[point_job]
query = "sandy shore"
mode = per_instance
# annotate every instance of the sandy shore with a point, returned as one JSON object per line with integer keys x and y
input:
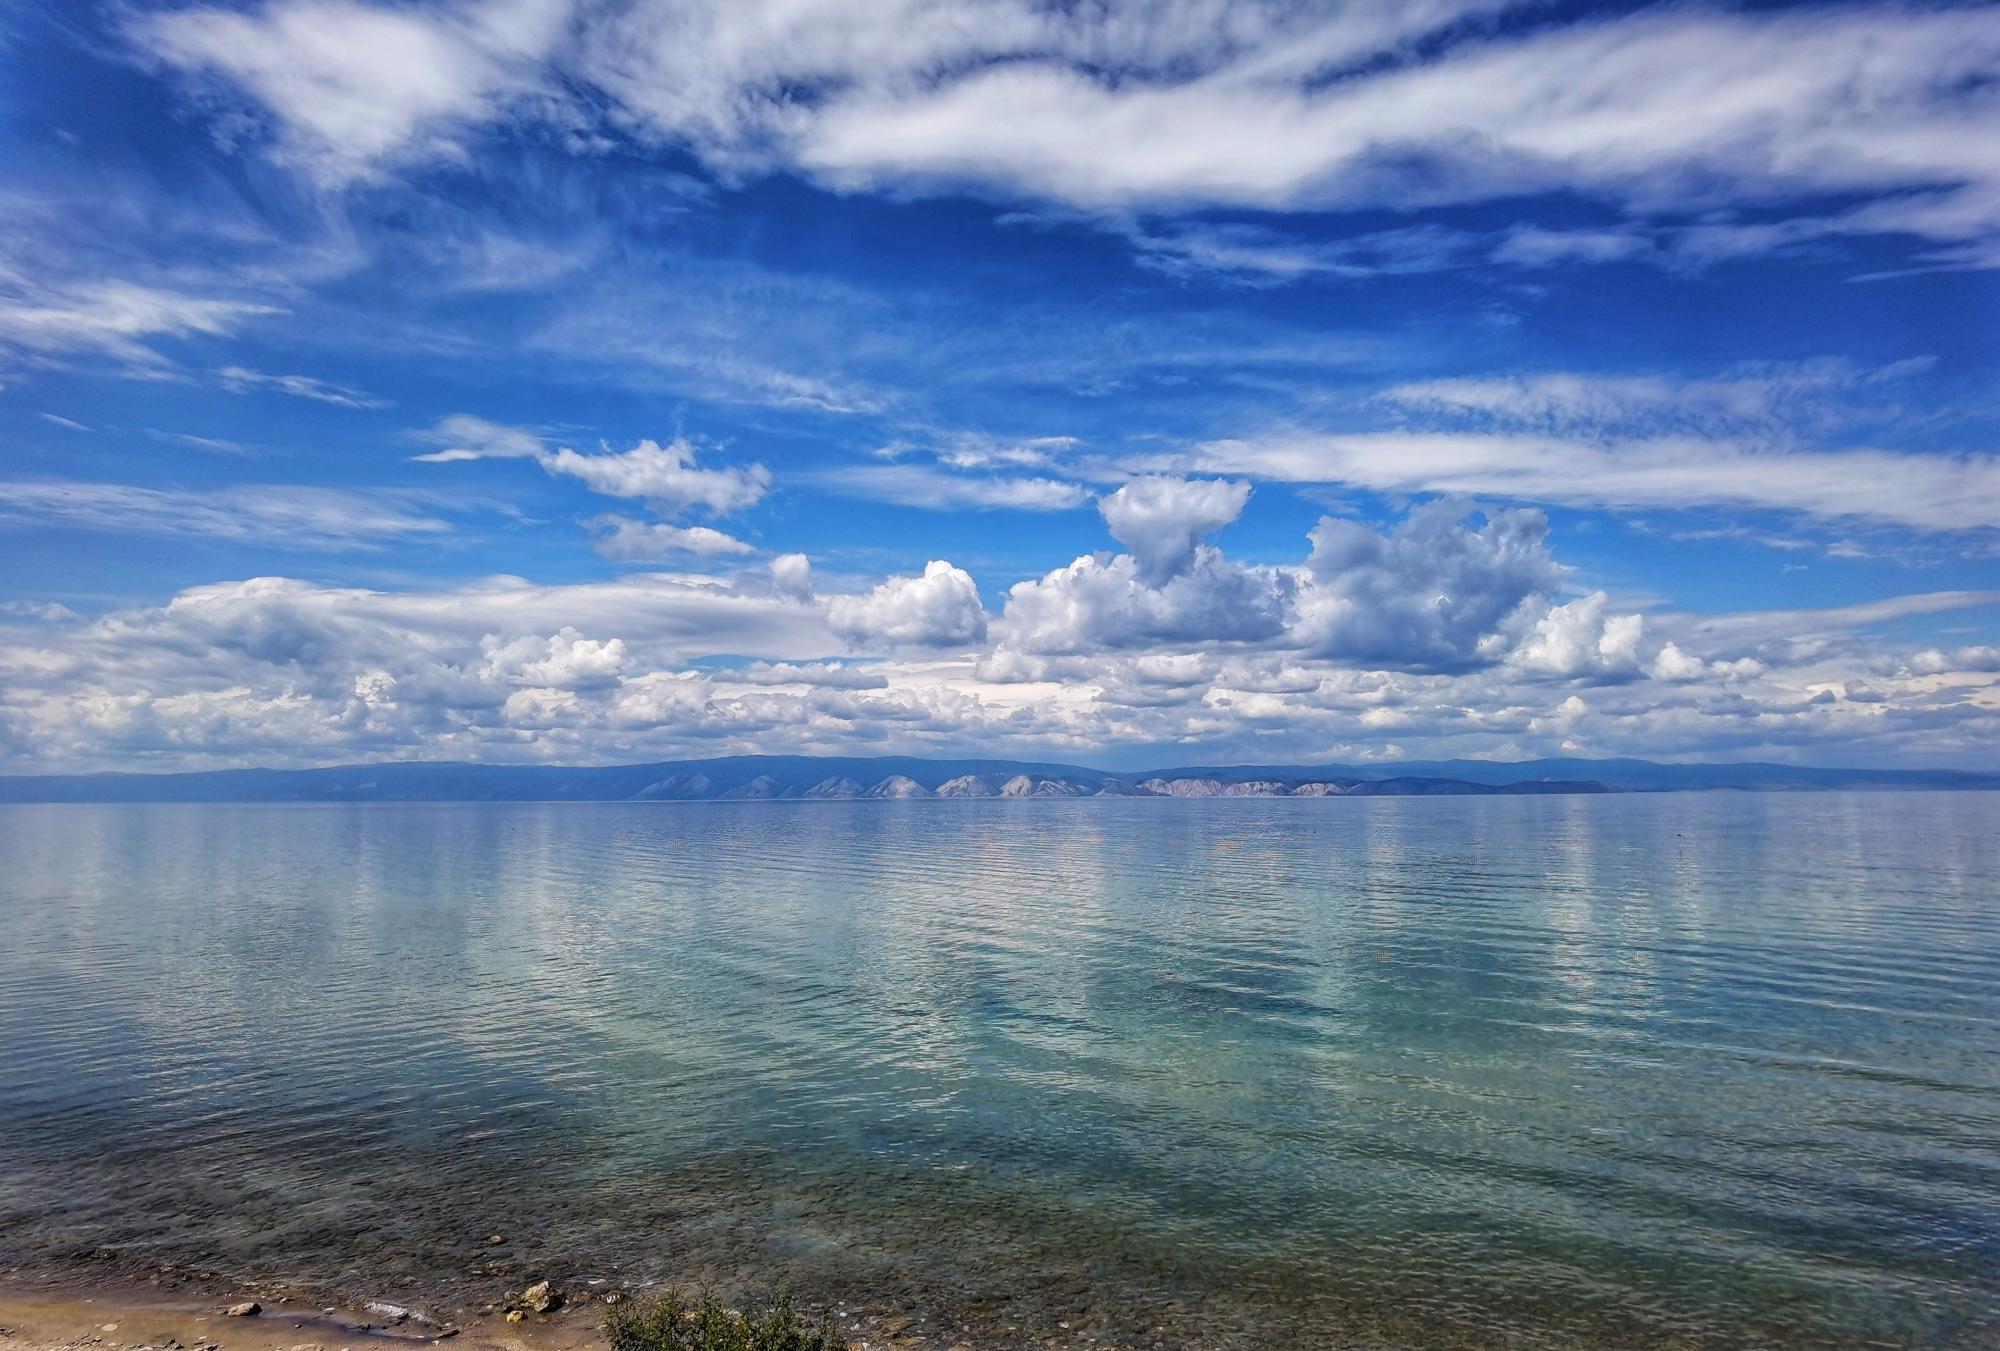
{"x": 145, "y": 1319}
{"x": 108, "y": 1321}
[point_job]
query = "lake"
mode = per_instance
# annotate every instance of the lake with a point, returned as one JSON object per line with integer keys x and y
{"x": 1640, "y": 1069}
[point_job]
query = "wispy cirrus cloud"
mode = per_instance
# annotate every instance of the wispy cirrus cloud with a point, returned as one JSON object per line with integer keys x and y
{"x": 350, "y": 85}
{"x": 112, "y": 318}
{"x": 277, "y": 515}
{"x": 915, "y": 485}
{"x": 1261, "y": 255}
{"x": 213, "y": 445}
{"x": 1763, "y": 400}
{"x": 1918, "y": 490}
{"x": 241, "y": 379}
{"x": 462, "y": 437}
{"x": 1651, "y": 109}
{"x": 1121, "y": 108}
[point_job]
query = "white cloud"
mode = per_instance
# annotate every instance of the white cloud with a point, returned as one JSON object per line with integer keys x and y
{"x": 564, "y": 660}
{"x": 1104, "y": 603}
{"x": 1580, "y": 639}
{"x": 965, "y": 450}
{"x": 1162, "y": 520}
{"x": 241, "y": 379}
{"x": 631, "y": 541}
{"x": 819, "y": 674}
{"x": 48, "y": 611}
{"x": 274, "y": 670}
{"x": 1124, "y": 107}
{"x": 1923, "y": 490}
{"x": 1981, "y": 657}
{"x": 939, "y": 609}
{"x": 1532, "y": 246}
{"x": 353, "y": 85}
{"x": 1435, "y": 593}
{"x": 665, "y": 477}
{"x": 913, "y": 485}
{"x": 1673, "y": 664}
{"x": 1648, "y": 108}
{"x": 282, "y": 515}
{"x": 1257, "y": 255}
{"x": 214, "y": 445}
{"x": 540, "y": 708}
{"x": 791, "y": 576}
{"x": 462, "y": 437}
{"x": 1765, "y": 401}
{"x": 111, "y": 318}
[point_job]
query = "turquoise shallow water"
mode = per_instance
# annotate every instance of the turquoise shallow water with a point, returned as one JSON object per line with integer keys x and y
{"x": 1536, "y": 1071}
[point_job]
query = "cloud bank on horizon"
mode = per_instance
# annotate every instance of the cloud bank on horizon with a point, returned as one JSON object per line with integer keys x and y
{"x": 580, "y": 381}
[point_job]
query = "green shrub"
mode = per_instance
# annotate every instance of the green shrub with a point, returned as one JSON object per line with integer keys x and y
{"x": 671, "y": 1323}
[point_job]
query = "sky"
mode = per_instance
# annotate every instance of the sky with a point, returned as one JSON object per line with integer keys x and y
{"x": 595, "y": 381}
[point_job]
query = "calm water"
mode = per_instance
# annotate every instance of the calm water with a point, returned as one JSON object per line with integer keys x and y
{"x": 1633, "y": 1070}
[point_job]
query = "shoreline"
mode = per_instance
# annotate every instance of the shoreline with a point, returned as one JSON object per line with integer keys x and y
{"x": 179, "y": 1310}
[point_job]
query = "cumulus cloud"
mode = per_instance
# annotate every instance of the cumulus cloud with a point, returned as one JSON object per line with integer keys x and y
{"x": 1674, "y": 666}
{"x": 630, "y": 541}
{"x": 665, "y": 477}
{"x": 939, "y": 609}
{"x": 1435, "y": 593}
{"x": 277, "y": 670}
{"x": 1979, "y": 657}
{"x": 540, "y": 709}
{"x": 564, "y": 660}
{"x": 1104, "y": 602}
{"x": 1580, "y": 639}
{"x": 791, "y": 576}
{"x": 1163, "y": 520}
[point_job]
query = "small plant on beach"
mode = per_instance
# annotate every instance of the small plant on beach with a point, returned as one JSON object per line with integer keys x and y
{"x": 673, "y": 1323}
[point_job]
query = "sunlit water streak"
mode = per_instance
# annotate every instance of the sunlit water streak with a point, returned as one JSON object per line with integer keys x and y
{"x": 1538, "y": 1070}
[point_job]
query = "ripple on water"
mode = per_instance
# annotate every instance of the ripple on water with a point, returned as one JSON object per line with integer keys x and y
{"x": 1540, "y": 1070}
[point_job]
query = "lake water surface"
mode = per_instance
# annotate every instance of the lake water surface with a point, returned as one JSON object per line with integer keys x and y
{"x": 1709, "y": 1069}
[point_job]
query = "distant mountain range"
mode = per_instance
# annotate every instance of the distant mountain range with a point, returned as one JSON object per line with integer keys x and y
{"x": 799, "y": 777}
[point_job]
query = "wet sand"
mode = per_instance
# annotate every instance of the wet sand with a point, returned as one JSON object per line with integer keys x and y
{"x": 192, "y": 1315}
{"x": 43, "y": 1320}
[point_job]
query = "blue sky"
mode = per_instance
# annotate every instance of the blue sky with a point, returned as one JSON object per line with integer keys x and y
{"x": 578, "y": 381}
